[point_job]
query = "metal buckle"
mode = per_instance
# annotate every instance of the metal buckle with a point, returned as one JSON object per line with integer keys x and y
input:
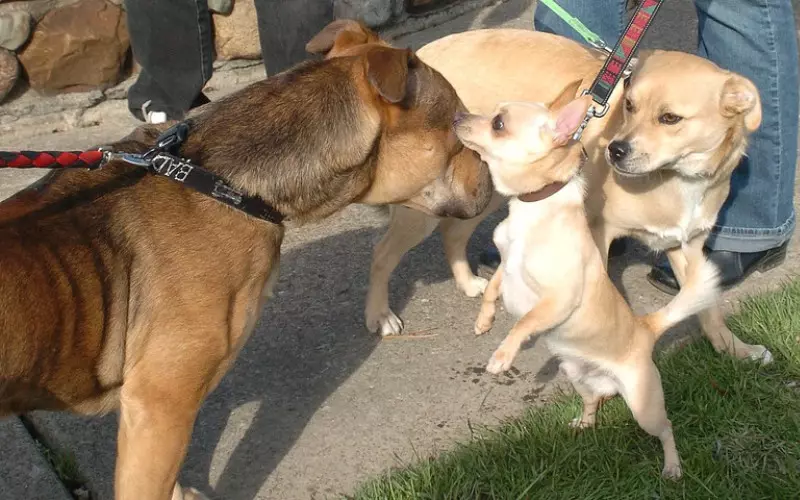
{"x": 226, "y": 192}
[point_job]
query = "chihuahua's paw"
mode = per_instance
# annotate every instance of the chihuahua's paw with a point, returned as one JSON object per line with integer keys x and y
{"x": 483, "y": 325}
{"x": 474, "y": 287}
{"x": 759, "y": 353}
{"x": 581, "y": 423}
{"x": 672, "y": 471}
{"x": 385, "y": 324}
{"x": 500, "y": 361}
{"x": 179, "y": 493}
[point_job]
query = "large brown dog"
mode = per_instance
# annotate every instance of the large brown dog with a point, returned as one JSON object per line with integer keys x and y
{"x": 120, "y": 289}
{"x": 683, "y": 120}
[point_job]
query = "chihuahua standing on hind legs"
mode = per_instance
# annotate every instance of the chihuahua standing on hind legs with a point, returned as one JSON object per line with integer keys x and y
{"x": 552, "y": 275}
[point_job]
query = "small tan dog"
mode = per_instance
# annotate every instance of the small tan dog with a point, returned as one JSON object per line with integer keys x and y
{"x": 553, "y": 275}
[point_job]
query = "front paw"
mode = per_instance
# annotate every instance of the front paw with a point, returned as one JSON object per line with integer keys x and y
{"x": 484, "y": 323}
{"x": 501, "y": 360}
{"x": 386, "y": 323}
{"x": 474, "y": 287}
{"x": 581, "y": 423}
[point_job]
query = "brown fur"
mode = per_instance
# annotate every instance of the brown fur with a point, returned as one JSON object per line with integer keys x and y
{"x": 121, "y": 289}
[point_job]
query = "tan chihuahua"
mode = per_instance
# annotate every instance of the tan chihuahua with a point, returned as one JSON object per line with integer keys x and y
{"x": 552, "y": 274}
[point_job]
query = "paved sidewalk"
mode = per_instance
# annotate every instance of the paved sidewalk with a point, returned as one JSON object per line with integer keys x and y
{"x": 315, "y": 404}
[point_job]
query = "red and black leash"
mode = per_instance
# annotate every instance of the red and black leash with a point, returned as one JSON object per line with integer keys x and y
{"x": 51, "y": 159}
{"x": 618, "y": 59}
{"x": 161, "y": 160}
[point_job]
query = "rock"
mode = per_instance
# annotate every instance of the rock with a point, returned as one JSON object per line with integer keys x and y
{"x": 35, "y": 8}
{"x": 236, "y": 35}
{"x": 77, "y": 48}
{"x": 374, "y": 13}
{"x": 9, "y": 72}
{"x": 15, "y": 28}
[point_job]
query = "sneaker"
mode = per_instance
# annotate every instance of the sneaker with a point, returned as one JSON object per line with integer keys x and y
{"x": 153, "y": 117}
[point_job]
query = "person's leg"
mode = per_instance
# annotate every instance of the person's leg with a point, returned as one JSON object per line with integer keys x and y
{"x": 756, "y": 38}
{"x": 172, "y": 43}
{"x": 285, "y": 26}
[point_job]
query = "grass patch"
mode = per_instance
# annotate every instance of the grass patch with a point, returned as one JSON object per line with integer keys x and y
{"x": 737, "y": 426}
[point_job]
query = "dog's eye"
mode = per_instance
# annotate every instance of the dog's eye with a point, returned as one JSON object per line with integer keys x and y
{"x": 629, "y": 106}
{"x": 669, "y": 119}
{"x": 497, "y": 123}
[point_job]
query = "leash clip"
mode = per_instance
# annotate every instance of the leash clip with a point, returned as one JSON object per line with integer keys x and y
{"x": 590, "y": 113}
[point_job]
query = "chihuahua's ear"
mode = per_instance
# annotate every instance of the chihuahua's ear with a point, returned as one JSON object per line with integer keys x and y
{"x": 740, "y": 97}
{"x": 569, "y": 118}
{"x": 339, "y": 36}
{"x": 566, "y": 96}
{"x": 387, "y": 71}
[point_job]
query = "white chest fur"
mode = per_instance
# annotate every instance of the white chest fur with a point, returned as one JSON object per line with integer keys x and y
{"x": 692, "y": 219}
{"x": 536, "y": 242}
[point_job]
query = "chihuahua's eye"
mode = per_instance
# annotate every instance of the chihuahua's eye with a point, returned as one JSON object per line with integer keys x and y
{"x": 497, "y": 123}
{"x": 669, "y": 119}
{"x": 629, "y": 106}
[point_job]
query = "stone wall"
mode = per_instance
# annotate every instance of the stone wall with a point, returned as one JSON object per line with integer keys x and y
{"x": 58, "y": 46}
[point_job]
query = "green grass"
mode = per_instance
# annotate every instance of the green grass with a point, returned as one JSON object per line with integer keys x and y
{"x": 737, "y": 425}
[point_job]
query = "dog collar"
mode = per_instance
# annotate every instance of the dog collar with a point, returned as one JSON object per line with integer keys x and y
{"x": 546, "y": 192}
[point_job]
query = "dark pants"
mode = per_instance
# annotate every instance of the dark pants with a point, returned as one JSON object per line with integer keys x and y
{"x": 172, "y": 41}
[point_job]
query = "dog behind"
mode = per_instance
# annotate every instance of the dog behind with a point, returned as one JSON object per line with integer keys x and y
{"x": 552, "y": 276}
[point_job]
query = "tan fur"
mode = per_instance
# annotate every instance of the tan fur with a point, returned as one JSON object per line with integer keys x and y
{"x": 672, "y": 209}
{"x": 553, "y": 278}
{"x": 122, "y": 289}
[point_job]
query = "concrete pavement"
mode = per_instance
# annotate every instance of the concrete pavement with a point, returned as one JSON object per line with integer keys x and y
{"x": 315, "y": 404}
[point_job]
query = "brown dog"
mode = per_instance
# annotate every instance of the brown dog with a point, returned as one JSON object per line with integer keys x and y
{"x": 552, "y": 276}
{"x": 121, "y": 289}
{"x": 684, "y": 121}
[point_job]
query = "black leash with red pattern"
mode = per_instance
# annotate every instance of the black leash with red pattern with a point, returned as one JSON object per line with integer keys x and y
{"x": 161, "y": 160}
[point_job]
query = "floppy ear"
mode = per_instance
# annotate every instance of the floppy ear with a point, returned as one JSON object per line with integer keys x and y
{"x": 569, "y": 118}
{"x": 566, "y": 96}
{"x": 740, "y": 97}
{"x": 387, "y": 71}
{"x": 341, "y": 34}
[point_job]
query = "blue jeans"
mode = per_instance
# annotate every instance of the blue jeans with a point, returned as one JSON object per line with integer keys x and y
{"x": 757, "y": 39}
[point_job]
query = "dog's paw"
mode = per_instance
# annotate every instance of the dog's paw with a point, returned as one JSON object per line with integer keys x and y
{"x": 483, "y": 324}
{"x": 474, "y": 287}
{"x": 580, "y": 423}
{"x": 187, "y": 494}
{"x": 385, "y": 324}
{"x": 500, "y": 361}
{"x": 672, "y": 471}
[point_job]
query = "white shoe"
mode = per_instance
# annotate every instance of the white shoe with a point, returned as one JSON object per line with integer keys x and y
{"x": 153, "y": 117}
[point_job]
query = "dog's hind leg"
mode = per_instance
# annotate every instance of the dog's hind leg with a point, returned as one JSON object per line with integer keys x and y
{"x": 712, "y": 321}
{"x": 407, "y": 229}
{"x": 641, "y": 388}
{"x": 591, "y": 399}
{"x": 456, "y": 234}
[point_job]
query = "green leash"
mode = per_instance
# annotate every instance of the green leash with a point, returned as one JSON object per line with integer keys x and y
{"x": 575, "y": 23}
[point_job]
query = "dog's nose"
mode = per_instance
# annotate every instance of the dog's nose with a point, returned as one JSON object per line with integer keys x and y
{"x": 619, "y": 150}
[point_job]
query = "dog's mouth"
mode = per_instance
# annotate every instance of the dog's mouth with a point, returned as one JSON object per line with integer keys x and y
{"x": 627, "y": 173}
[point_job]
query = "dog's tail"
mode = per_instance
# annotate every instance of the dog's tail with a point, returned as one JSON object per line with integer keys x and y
{"x": 699, "y": 292}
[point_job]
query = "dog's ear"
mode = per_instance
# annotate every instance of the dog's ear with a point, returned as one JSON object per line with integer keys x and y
{"x": 740, "y": 97}
{"x": 566, "y": 96}
{"x": 341, "y": 35}
{"x": 569, "y": 118}
{"x": 387, "y": 71}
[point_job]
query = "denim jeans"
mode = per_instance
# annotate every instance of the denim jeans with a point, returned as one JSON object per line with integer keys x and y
{"x": 757, "y": 39}
{"x": 172, "y": 41}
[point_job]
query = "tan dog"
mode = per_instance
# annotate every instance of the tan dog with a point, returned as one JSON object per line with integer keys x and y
{"x": 121, "y": 289}
{"x": 552, "y": 275}
{"x": 685, "y": 129}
